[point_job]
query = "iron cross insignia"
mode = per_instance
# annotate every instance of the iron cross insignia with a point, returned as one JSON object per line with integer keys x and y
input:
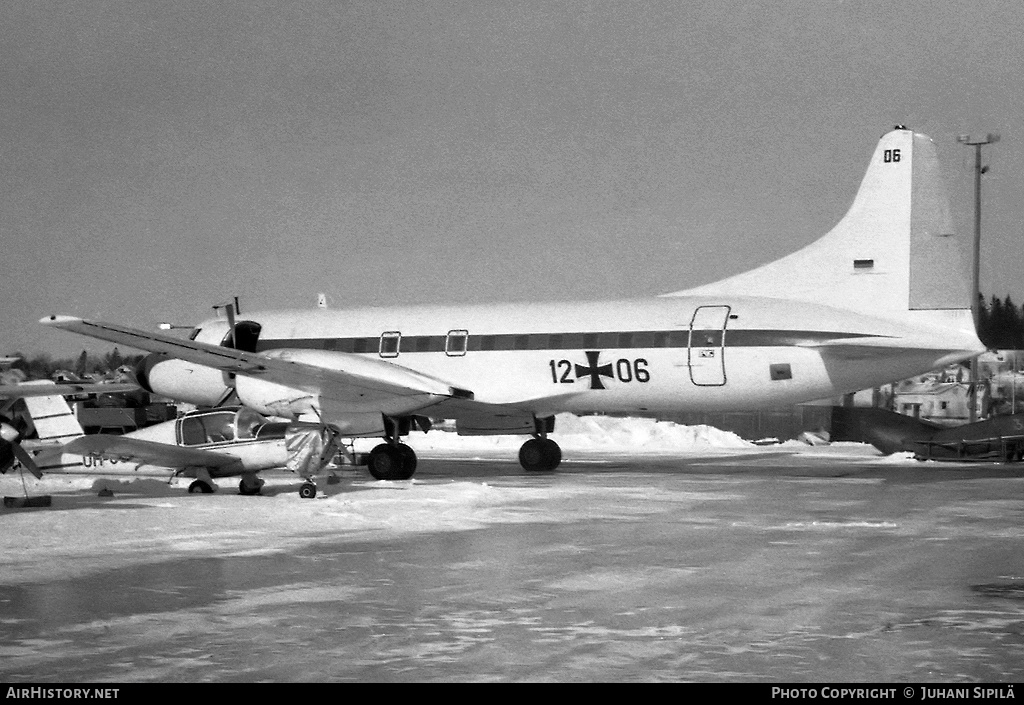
{"x": 594, "y": 371}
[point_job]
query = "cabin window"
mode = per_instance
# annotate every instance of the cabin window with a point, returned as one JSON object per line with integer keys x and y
{"x": 781, "y": 371}
{"x": 247, "y": 423}
{"x": 521, "y": 342}
{"x": 208, "y": 428}
{"x": 389, "y": 341}
{"x": 457, "y": 342}
{"x": 192, "y": 433}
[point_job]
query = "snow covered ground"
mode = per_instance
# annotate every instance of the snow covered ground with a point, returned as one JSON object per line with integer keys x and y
{"x": 62, "y": 543}
{"x": 656, "y": 552}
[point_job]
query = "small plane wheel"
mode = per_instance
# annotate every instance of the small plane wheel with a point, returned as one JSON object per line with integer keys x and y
{"x": 540, "y": 455}
{"x": 200, "y": 487}
{"x": 308, "y": 490}
{"x": 253, "y": 489}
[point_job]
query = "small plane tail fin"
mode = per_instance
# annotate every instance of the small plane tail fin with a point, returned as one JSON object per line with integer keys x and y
{"x": 53, "y": 418}
{"x": 893, "y": 255}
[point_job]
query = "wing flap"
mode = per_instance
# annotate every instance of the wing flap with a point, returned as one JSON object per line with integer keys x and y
{"x": 479, "y": 418}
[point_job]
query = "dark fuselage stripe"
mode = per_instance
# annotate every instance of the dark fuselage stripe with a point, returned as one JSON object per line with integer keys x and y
{"x": 567, "y": 341}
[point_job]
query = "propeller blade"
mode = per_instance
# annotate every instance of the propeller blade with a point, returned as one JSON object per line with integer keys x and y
{"x": 26, "y": 460}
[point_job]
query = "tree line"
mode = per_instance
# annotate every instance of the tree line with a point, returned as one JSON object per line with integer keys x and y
{"x": 44, "y": 366}
{"x": 1000, "y": 324}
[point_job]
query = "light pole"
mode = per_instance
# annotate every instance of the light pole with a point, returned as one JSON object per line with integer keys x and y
{"x": 976, "y": 142}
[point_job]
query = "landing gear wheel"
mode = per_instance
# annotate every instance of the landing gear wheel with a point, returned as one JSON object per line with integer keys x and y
{"x": 250, "y": 488}
{"x": 308, "y": 490}
{"x": 408, "y": 461}
{"x": 392, "y": 462}
{"x": 540, "y": 455}
{"x": 200, "y": 487}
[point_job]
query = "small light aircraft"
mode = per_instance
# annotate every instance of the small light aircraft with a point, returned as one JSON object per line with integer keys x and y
{"x": 882, "y": 296}
{"x": 10, "y": 433}
{"x": 999, "y": 439}
{"x": 206, "y": 444}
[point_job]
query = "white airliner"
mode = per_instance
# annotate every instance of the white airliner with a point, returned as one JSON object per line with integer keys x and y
{"x": 883, "y": 296}
{"x": 228, "y": 441}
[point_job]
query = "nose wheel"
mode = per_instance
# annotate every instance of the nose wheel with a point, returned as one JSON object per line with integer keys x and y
{"x": 540, "y": 455}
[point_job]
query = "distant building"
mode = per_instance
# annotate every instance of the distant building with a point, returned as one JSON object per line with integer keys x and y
{"x": 942, "y": 396}
{"x": 942, "y": 402}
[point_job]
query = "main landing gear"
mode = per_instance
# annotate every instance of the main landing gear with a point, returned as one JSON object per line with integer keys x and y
{"x": 200, "y": 487}
{"x": 250, "y": 485}
{"x": 540, "y": 455}
{"x": 392, "y": 461}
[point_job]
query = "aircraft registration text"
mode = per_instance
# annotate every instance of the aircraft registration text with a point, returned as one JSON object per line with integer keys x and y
{"x": 623, "y": 369}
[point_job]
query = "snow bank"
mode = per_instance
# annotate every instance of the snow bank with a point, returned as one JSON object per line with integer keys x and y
{"x": 593, "y": 433}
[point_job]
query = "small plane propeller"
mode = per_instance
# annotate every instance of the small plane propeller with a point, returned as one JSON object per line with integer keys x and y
{"x": 11, "y": 450}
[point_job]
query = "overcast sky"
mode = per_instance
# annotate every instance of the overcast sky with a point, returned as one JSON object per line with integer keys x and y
{"x": 160, "y": 157}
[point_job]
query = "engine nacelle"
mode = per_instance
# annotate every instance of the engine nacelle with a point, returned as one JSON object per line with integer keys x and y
{"x": 274, "y": 399}
{"x": 287, "y": 402}
{"x": 181, "y": 380}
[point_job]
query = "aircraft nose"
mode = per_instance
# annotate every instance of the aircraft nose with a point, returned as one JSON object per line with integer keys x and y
{"x": 7, "y": 431}
{"x": 143, "y": 368}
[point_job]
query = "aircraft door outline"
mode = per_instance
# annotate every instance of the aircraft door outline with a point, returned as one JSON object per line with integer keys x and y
{"x": 705, "y": 350}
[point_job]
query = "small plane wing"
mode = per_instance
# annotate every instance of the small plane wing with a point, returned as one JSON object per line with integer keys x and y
{"x": 43, "y": 388}
{"x": 149, "y": 452}
{"x": 350, "y": 378}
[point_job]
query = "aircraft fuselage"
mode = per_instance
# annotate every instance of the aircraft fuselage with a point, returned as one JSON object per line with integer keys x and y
{"x": 641, "y": 356}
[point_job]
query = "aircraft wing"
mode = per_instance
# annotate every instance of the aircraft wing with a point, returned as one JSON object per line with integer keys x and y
{"x": 349, "y": 377}
{"x": 478, "y": 418}
{"x": 150, "y": 452}
{"x": 42, "y": 388}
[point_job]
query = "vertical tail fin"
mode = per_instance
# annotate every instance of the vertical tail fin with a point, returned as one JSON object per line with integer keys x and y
{"x": 893, "y": 254}
{"x": 53, "y": 418}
